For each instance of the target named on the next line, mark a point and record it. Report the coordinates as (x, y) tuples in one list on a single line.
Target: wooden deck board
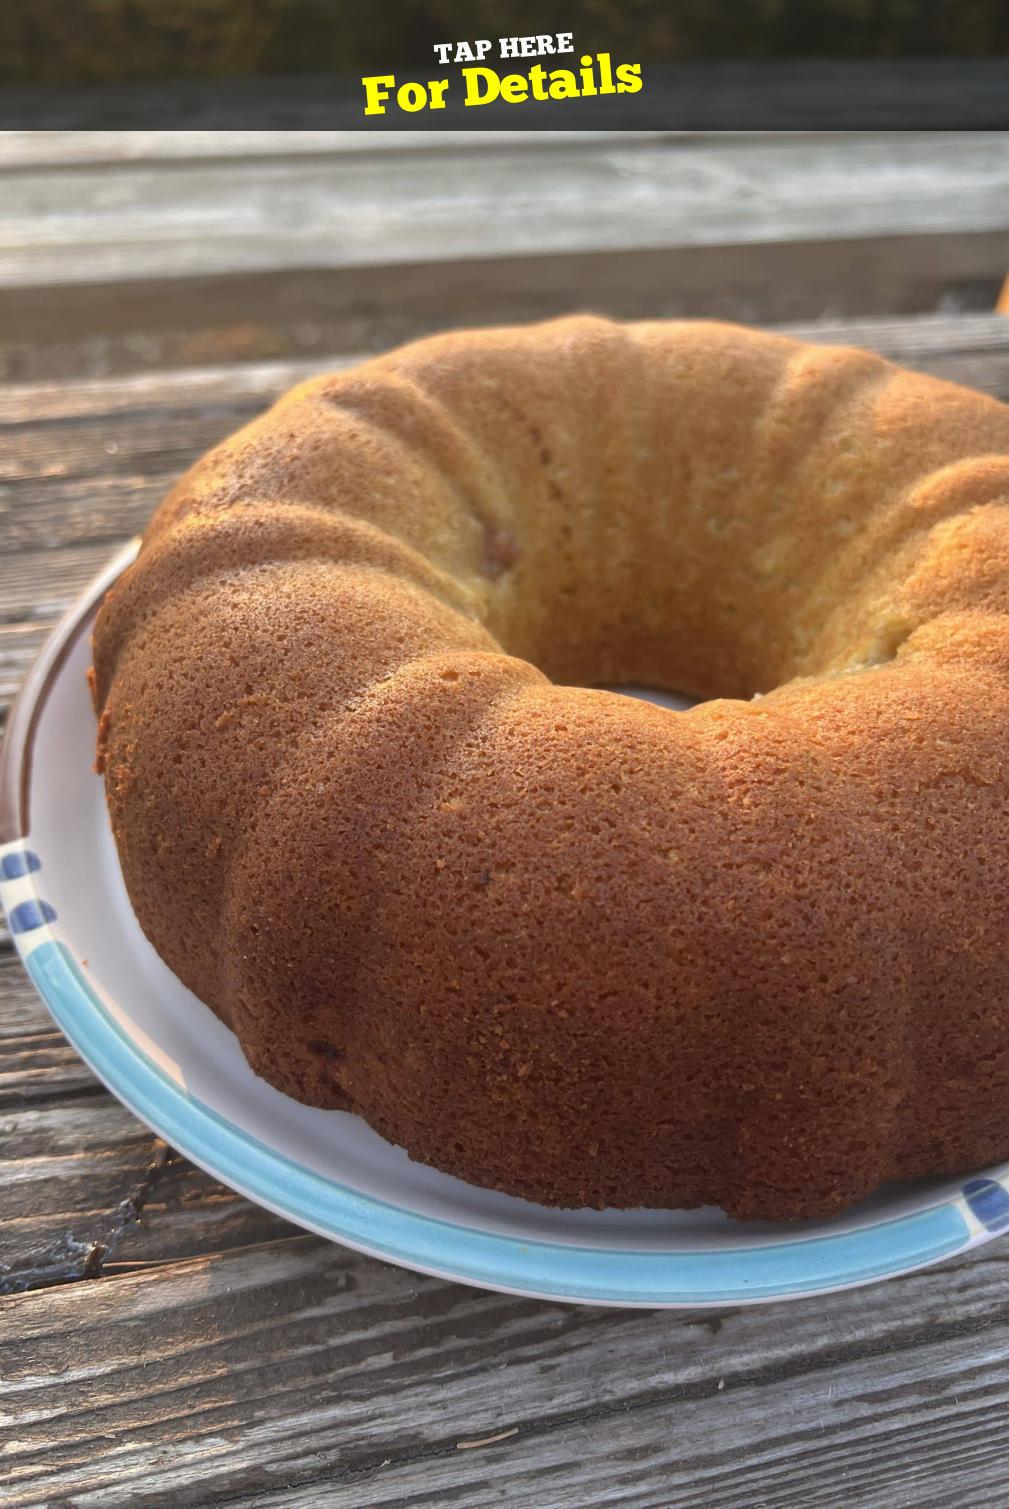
[(87, 330), (166, 218), (299, 1372)]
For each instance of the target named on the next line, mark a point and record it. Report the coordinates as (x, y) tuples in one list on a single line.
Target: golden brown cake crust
[(553, 940)]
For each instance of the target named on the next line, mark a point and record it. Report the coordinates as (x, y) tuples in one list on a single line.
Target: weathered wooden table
[(163, 1341)]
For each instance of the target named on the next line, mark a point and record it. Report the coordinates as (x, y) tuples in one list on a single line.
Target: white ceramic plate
[(173, 1063)]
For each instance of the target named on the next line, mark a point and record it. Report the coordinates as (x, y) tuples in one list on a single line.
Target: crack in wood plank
[(73, 1261)]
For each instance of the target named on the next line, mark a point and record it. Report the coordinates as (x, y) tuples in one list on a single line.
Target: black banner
[(405, 66)]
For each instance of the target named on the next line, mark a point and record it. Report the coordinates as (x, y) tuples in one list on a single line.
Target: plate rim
[(812, 1264)]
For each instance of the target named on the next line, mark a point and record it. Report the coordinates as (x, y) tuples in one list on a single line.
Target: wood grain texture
[(36, 1062), (299, 1373), (164, 218)]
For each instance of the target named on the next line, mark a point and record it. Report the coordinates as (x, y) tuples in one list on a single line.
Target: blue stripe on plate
[(989, 1201), (583, 1273), (28, 915), (20, 862)]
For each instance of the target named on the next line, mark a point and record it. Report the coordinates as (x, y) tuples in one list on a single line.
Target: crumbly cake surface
[(553, 940)]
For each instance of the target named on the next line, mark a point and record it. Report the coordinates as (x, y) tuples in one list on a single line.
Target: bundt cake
[(555, 940)]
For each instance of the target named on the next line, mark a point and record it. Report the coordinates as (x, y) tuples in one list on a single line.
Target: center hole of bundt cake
[(678, 702)]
